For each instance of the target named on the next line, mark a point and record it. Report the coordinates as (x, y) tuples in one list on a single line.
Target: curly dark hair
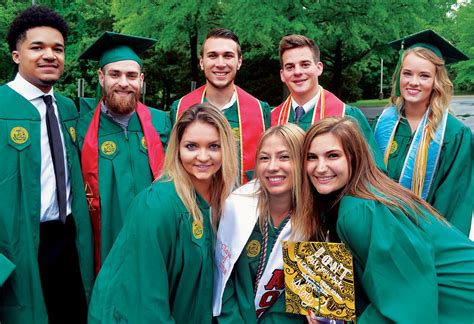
[(35, 16)]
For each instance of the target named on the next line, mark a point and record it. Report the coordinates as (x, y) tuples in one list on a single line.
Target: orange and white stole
[(327, 105)]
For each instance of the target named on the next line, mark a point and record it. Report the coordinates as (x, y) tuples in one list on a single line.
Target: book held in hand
[(319, 276)]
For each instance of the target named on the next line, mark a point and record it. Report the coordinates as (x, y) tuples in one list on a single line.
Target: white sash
[(236, 225)]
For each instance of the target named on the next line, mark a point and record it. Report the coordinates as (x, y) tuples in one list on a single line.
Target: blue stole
[(416, 177)]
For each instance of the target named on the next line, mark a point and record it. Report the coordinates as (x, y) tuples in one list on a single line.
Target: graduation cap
[(112, 47), (430, 40)]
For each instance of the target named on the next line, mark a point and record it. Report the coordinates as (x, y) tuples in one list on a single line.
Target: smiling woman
[(163, 255), (249, 285), (426, 148), (410, 265)]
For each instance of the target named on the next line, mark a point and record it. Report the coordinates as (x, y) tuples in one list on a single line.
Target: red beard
[(121, 105)]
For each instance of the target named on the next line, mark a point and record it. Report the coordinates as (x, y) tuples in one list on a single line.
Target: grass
[(370, 103)]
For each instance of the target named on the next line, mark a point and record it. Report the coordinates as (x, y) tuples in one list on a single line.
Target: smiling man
[(45, 237), (308, 101), (122, 142), (221, 58)]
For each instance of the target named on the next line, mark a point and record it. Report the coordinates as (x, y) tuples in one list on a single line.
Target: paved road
[(463, 107)]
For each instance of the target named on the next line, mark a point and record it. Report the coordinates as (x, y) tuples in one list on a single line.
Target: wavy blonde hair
[(442, 88), (292, 136), (365, 180), (226, 177)]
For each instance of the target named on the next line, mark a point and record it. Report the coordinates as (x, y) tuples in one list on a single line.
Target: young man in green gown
[(221, 58), (46, 269), (308, 101), (122, 141)]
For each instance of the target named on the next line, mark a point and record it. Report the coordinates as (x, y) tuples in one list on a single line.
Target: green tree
[(8, 10), (463, 28), (179, 27)]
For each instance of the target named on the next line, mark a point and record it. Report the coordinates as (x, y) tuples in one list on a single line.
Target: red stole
[(251, 124), (328, 105), (90, 166)]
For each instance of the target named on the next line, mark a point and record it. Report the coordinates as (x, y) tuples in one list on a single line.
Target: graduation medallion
[(393, 147), (253, 248), (108, 147), (72, 131), (19, 135), (197, 230), (236, 133)]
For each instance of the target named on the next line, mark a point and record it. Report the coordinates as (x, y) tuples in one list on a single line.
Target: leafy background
[(352, 35)]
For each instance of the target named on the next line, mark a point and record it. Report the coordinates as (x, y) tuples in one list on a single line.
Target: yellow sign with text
[(319, 276)]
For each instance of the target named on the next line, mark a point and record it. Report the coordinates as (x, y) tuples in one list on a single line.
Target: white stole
[(236, 225)]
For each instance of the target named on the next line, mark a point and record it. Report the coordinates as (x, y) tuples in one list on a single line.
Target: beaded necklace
[(263, 255)]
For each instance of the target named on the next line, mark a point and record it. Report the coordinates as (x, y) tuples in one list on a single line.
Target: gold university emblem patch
[(236, 133), (19, 135), (197, 230), (72, 131), (253, 248), (393, 147), (144, 143), (108, 147)]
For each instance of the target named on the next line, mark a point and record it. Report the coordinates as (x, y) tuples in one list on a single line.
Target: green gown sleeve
[(162, 124), (453, 194), (173, 112), (230, 313), (6, 268), (267, 114), (132, 286), (368, 135), (393, 261)]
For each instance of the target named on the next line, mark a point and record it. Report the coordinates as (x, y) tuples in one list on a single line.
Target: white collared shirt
[(49, 200), (308, 105), (231, 102)]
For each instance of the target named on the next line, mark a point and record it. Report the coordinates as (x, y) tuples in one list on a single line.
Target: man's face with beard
[(121, 83)]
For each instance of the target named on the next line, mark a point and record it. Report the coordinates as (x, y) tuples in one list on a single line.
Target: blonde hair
[(442, 88), (292, 136), (365, 180), (223, 181)]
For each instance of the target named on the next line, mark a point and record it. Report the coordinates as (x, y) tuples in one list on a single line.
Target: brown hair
[(222, 33), (365, 180), (223, 181), (296, 41), (442, 88)]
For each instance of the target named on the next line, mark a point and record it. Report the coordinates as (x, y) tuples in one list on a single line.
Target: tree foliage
[(352, 35)]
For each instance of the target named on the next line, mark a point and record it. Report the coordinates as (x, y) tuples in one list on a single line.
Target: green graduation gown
[(232, 116), (238, 300), (21, 296), (123, 172), (407, 271), (160, 269), (452, 188), (354, 112)]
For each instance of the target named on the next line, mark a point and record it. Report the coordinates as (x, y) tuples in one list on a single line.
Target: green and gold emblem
[(253, 248), (197, 230), (393, 147), (19, 135), (72, 131), (144, 143), (108, 147), (236, 133)]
